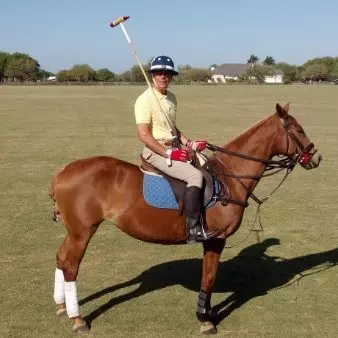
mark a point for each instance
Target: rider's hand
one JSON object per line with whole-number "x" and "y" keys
{"x": 178, "y": 155}
{"x": 199, "y": 145}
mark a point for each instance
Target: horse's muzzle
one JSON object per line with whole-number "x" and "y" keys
{"x": 313, "y": 163}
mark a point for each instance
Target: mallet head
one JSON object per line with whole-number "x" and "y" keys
{"x": 118, "y": 21}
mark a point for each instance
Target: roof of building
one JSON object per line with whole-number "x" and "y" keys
{"x": 231, "y": 69}
{"x": 237, "y": 69}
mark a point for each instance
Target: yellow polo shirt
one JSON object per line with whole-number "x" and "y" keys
{"x": 147, "y": 110}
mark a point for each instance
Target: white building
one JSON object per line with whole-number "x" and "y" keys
{"x": 277, "y": 78}
{"x": 234, "y": 71}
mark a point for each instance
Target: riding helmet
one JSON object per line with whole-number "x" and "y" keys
{"x": 162, "y": 62}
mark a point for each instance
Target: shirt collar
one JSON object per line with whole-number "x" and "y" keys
{"x": 160, "y": 95}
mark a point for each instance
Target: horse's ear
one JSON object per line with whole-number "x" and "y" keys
{"x": 282, "y": 113}
{"x": 287, "y": 107}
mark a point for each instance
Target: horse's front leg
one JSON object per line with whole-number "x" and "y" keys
{"x": 212, "y": 252}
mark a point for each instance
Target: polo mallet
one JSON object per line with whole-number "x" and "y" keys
{"x": 119, "y": 22}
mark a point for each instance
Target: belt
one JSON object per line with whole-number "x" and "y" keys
{"x": 166, "y": 143}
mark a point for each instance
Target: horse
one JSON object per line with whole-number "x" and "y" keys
{"x": 90, "y": 190}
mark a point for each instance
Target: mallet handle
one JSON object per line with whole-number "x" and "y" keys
{"x": 166, "y": 118}
{"x": 119, "y": 21}
{"x": 135, "y": 54}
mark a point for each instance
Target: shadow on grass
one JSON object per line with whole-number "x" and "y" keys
{"x": 250, "y": 274}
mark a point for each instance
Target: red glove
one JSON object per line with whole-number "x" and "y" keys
{"x": 197, "y": 145}
{"x": 178, "y": 154}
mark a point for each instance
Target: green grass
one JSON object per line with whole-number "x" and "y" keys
{"x": 43, "y": 128}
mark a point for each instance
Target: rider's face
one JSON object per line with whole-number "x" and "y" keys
{"x": 161, "y": 80}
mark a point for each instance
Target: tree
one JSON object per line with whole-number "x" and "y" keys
{"x": 326, "y": 68}
{"x": 63, "y": 75}
{"x": 4, "y": 57}
{"x": 199, "y": 75}
{"x": 21, "y": 67}
{"x": 136, "y": 74}
{"x": 256, "y": 73}
{"x": 253, "y": 59}
{"x": 269, "y": 60}
{"x": 315, "y": 72}
{"x": 291, "y": 72}
{"x": 44, "y": 74}
{"x": 105, "y": 75}
{"x": 82, "y": 73}
{"x": 125, "y": 76}
{"x": 188, "y": 74}
{"x": 334, "y": 73}
{"x": 183, "y": 74}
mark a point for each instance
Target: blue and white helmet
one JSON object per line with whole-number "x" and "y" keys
{"x": 160, "y": 63}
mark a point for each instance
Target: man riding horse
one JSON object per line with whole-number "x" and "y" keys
{"x": 155, "y": 114}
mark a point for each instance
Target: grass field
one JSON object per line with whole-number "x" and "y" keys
{"x": 268, "y": 289}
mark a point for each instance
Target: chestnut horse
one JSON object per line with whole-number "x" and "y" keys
{"x": 87, "y": 191}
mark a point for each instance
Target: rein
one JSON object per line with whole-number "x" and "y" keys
{"x": 272, "y": 167}
{"x": 276, "y": 165}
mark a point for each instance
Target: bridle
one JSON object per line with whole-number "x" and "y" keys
{"x": 302, "y": 156}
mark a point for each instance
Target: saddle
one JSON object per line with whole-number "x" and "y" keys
{"x": 170, "y": 185}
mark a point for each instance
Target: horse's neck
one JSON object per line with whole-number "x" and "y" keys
{"x": 258, "y": 141}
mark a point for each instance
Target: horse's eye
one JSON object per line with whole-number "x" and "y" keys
{"x": 300, "y": 131}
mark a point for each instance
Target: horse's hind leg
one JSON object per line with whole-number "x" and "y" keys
{"x": 68, "y": 261}
{"x": 59, "y": 280}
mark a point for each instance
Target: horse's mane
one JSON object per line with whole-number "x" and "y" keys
{"x": 249, "y": 130}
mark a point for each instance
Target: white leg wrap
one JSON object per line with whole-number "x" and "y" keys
{"x": 59, "y": 287}
{"x": 72, "y": 305}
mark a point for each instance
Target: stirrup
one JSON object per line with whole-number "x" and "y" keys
{"x": 195, "y": 236}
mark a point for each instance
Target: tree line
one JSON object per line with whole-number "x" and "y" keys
{"x": 317, "y": 69}
{"x": 85, "y": 73}
{"x": 20, "y": 67}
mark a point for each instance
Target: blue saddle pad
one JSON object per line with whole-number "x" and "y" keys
{"x": 158, "y": 193}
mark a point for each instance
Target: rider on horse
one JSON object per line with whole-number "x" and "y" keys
{"x": 155, "y": 114}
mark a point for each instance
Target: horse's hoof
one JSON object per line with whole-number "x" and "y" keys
{"x": 61, "y": 310}
{"x": 81, "y": 328}
{"x": 208, "y": 328}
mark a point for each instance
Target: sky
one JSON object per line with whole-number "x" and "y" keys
{"x": 61, "y": 33}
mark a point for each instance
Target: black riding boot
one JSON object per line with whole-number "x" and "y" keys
{"x": 193, "y": 217}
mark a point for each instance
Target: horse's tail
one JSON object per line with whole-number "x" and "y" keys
{"x": 56, "y": 212}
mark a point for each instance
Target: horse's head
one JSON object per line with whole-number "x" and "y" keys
{"x": 298, "y": 145}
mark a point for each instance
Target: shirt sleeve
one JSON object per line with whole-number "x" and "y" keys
{"x": 142, "y": 110}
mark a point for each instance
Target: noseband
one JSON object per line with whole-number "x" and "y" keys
{"x": 303, "y": 154}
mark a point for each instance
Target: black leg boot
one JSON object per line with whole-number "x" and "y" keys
{"x": 193, "y": 217}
